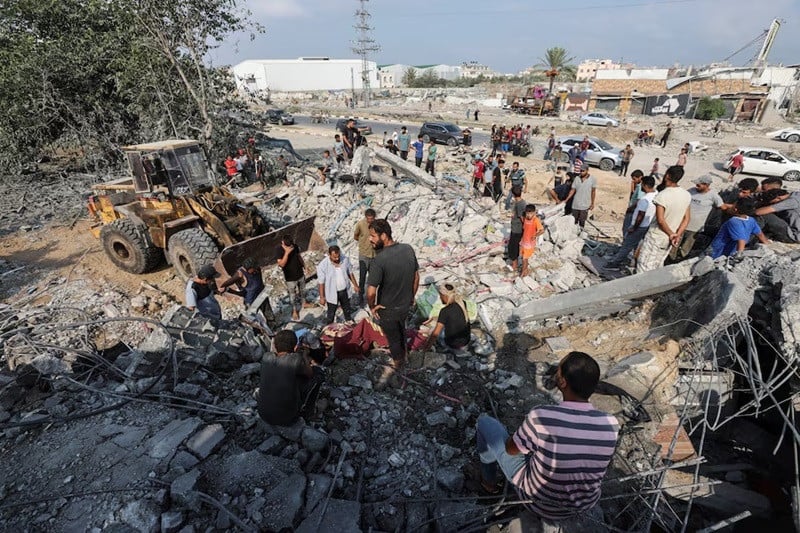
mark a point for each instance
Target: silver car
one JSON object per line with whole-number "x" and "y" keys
{"x": 598, "y": 119}
{"x": 600, "y": 153}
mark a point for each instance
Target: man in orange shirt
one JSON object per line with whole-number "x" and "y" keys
{"x": 531, "y": 229}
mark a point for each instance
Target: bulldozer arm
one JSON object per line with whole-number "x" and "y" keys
{"x": 262, "y": 249}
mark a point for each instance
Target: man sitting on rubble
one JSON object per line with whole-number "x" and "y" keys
{"x": 737, "y": 232}
{"x": 452, "y": 324}
{"x": 557, "y": 458}
{"x": 289, "y": 384}
{"x": 779, "y": 215}
{"x": 200, "y": 292}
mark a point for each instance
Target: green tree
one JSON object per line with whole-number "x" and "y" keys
{"x": 556, "y": 64}
{"x": 409, "y": 77}
{"x": 96, "y": 74}
{"x": 710, "y": 108}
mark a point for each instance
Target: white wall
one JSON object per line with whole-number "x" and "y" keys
{"x": 286, "y": 75}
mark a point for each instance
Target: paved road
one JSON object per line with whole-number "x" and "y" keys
{"x": 378, "y": 127}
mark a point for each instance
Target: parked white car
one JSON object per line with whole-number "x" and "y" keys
{"x": 791, "y": 135}
{"x": 598, "y": 119}
{"x": 600, "y": 153}
{"x": 767, "y": 162}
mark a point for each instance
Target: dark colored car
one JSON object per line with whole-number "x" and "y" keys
{"x": 441, "y": 132}
{"x": 279, "y": 116}
{"x": 362, "y": 128}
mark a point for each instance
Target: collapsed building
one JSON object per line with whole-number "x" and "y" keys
{"x": 138, "y": 415}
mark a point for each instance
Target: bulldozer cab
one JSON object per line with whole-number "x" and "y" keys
{"x": 180, "y": 166}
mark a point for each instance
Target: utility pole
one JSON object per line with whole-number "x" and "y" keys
{"x": 363, "y": 45}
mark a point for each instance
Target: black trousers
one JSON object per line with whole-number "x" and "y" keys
{"x": 623, "y": 170}
{"x": 774, "y": 227}
{"x": 404, "y": 155}
{"x": 344, "y": 302}
{"x": 363, "y": 268}
{"x": 429, "y": 167}
{"x": 393, "y": 324}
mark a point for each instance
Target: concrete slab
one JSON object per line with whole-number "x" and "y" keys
{"x": 633, "y": 287}
{"x": 164, "y": 443}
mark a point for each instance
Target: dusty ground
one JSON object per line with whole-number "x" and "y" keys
{"x": 64, "y": 251}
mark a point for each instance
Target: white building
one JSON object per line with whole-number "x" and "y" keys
{"x": 392, "y": 75}
{"x": 588, "y": 68}
{"x": 473, "y": 69}
{"x": 255, "y": 76}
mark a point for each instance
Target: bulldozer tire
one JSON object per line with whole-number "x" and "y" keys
{"x": 129, "y": 246}
{"x": 189, "y": 250}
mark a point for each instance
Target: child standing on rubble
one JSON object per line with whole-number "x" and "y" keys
{"x": 419, "y": 151}
{"x": 531, "y": 229}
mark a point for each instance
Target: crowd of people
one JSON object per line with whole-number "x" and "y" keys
{"x": 557, "y": 457}
{"x": 294, "y": 371}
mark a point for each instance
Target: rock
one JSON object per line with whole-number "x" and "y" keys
{"x": 181, "y": 490}
{"x": 184, "y": 460}
{"x": 317, "y": 488}
{"x": 314, "y": 440}
{"x": 357, "y": 380}
{"x": 272, "y": 444}
{"x": 164, "y": 443}
{"x": 235, "y": 473}
{"x": 292, "y": 432}
{"x": 515, "y": 381}
{"x": 171, "y": 522}
{"x": 283, "y": 503}
{"x": 138, "y": 303}
{"x": 142, "y": 515}
{"x": 434, "y": 360}
{"x": 558, "y": 344}
{"x": 341, "y": 516}
{"x": 625, "y": 364}
{"x": 450, "y": 478}
{"x": 396, "y": 460}
{"x": 204, "y": 441}
{"x": 437, "y": 418}
{"x": 447, "y": 452}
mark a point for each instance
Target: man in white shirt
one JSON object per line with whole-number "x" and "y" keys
{"x": 640, "y": 222}
{"x": 672, "y": 217}
{"x": 336, "y": 283}
{"x": 704, "y": 201}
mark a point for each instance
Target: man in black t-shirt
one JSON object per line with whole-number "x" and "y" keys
{"x": 452, "y": 324}
{"x": 291, "y": 262}
{"x": 289, "y": 382}
{"x": 392, "y": 284}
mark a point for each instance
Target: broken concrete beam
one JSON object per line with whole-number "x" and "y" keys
{"x": 594, "y": 298}
{"x": 404, "y": 167}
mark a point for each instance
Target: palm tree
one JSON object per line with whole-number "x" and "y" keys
{"x": 556, "y": 63}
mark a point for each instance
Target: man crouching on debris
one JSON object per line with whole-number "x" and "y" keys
{"x": 559, "y": 455}
{"x": 200, "y": 293}
{"x": 289, "y": 383}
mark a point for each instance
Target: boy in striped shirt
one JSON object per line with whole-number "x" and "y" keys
{"x": 559, "y": 455}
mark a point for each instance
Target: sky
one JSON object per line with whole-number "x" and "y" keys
{"x": 511, "y": 35}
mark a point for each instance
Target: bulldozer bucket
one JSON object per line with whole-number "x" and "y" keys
{"x": 262, "y": 249}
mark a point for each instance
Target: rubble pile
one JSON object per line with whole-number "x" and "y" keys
{"x": 192, "y": 435}
{"x": 56, "y": 197}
